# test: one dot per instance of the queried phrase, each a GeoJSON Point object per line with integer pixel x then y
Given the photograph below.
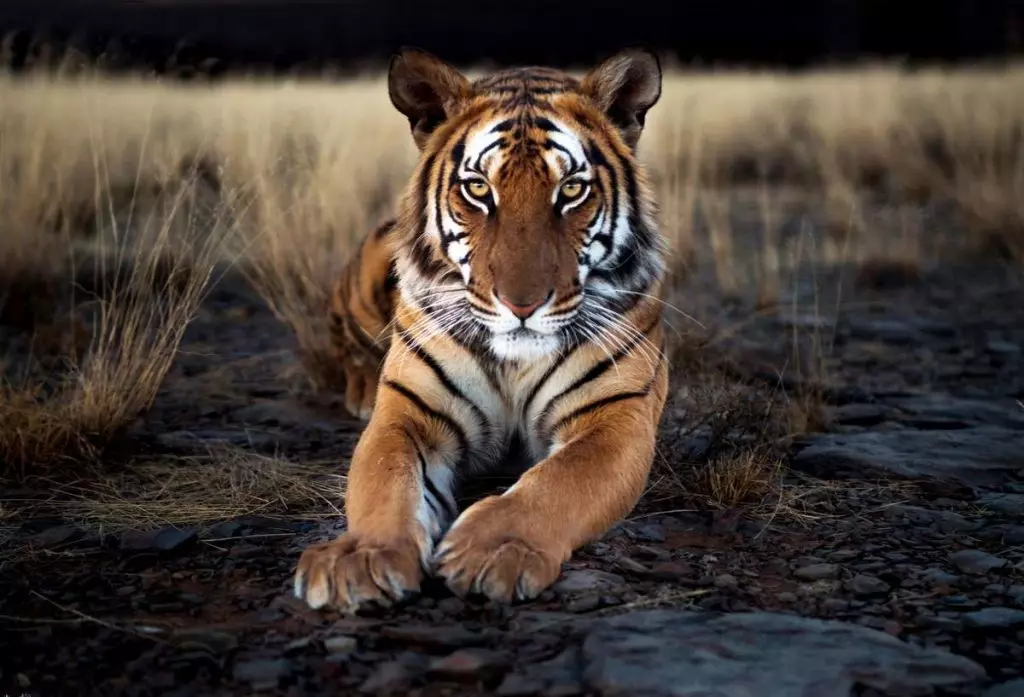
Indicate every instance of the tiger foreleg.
{"type": "Point", "coordinates": [361, 308]}
{"type": "Point", "coordinates": [512, 546]}
{"type": "Point", "coordinates": [399, 502]}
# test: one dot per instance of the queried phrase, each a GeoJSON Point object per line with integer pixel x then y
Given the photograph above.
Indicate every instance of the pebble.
{"type": "Point", "coordinates": [340, 644]}
{"type": "Point", "coordinates": [470, 663]}
{"type": "Point", "coordinates": [674, 571]}
{"type": "Point", "coordinates": [936, 576]}
{"type": "Point", "coordinates": [586, 579]}
{"type": "Point", "coordinates": [863, 584]}
{"type": "Point", "coordinates": [262, 674]}
{"type": "Point", "coordinates": [631, 566]}
{"type": "Point", "coordinates": [432, 635]}
{"type": "Point", "coordinates": [975, 561]}
{"type": "Point", "coordinates": [389, 677]}
{"type": "Point", "coordinates": [451, 606]}
{"type": "Point", "coordinates": [817, 572]}
{"type": "Point", "coordinates": [727, 581]}
{"type": "Point", "coordinates": [584, 603]}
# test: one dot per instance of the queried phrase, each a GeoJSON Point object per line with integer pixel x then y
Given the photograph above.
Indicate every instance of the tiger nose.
{"type": "Point", "coordinates": [520, 311]}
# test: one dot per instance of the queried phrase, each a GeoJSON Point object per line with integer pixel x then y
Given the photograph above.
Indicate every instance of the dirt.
{"type": "Point", "coordinates": [892, 562]}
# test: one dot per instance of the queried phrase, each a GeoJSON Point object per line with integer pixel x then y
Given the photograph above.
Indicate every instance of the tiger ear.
{"type": "Point", "coordinates": [426, 90]}
{"type": "Point", "coordinates": [625, 87]}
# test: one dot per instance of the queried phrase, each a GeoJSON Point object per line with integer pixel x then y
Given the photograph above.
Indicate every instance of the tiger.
{"type": "Point", "coordinates": [510, 306]}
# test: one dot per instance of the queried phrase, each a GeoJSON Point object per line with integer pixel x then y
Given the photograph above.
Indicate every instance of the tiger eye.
{"type": "Point", "coordinates": [478, 188]}
{"type": "Point", "coordinates": [572, 189]}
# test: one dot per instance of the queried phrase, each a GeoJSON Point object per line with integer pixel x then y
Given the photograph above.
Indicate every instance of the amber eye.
{"type": "Point", "coordinates": [478, 188]}
{"type": "Point", "coordinates": [572, 189]}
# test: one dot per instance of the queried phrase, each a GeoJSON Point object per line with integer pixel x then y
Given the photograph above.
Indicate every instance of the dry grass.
{"type": "Point", "coordinates": [155, 177]}
{"type": "Point", "coordinates": [222, 484]}
{"type": "Point", "coordinates": [147, 279]}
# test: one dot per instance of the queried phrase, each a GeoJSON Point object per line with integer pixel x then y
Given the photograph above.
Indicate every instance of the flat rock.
{"type": "Point", "coordinates": [980, 457]}
{"type": "Point", "coordinates": [975, 561]}
{"type": "Point", "coordinates": [676, 653]}
{"type": "Point", "coordinates": [586, 579]}
{"type": "Point", "coordinates": [1013, 688]}
{"type": "Point", "coordinates": [993, 412]}
{"type": "Point", "coordinates": [817, 572]}
{"type": "Point", "coordinates": [994, 618]}
{"type": "Point", "coordinates": [1009, 504]}
{"type": "Point", "coordinates": [160, 540]}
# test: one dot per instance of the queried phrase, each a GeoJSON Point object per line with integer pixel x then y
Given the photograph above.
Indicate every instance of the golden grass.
{"type": "Point", "coordinates": [156, 178]}
{"type": "Point", "coordinates": [222, 484]}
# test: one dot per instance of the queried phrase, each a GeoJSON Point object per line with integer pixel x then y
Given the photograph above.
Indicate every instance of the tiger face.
{"type": "Point", "coordinates": [527, 228]}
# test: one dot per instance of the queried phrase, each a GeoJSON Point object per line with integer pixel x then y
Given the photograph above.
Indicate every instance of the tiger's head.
{"type": "Point", "coordinates": [528, 224]}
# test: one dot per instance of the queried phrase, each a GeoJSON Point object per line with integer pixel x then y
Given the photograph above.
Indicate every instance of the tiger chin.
{"type": "Point", "coordinates": [513, 298]}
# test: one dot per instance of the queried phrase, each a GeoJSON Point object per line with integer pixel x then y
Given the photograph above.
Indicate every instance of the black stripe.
{"type": "Point", "coordinates": [423, 189]}
{"type": "Point", "coordinates": [593, 406]}
{"type": "Point", "coordinates": [552, 145]}
{"type": "Point", "coordinates": [597, 370]}
{"type": "Point", "coordinates": [432, 490]}
{"type": "Point", "coordinates": [443, 378]}
{"type": "Point", "coordinates": [447, 421]}
{"type": "Point", "coordinates": [546, 125]}
{"type": "Point", "coordinates": [566, 310]}
{"type": "Point", "coordinates": [547, 376]}
{"type": "Point", "coordinates": [479, 158]}
{"type": "Point", "coordinates": [361, 337]}
{"type": "Point", "coordinates": [458, 150]}
{"type": "Point", "coordinates": [422, 254]}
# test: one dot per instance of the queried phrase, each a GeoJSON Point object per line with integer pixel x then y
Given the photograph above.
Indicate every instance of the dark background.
{"type": "Point", "coordinates": [186, 37]}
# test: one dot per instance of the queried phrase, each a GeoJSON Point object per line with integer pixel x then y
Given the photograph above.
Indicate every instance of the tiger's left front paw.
{"type": "Point", "coordinates": [488, 552]}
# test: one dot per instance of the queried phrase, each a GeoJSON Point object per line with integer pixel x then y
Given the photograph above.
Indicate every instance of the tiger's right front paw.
{"type": "Point", "coordinates": [351, 572]}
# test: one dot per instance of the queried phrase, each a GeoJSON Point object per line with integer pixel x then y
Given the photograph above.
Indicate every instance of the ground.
{"type": "Point", "coordinates": [902, 518]}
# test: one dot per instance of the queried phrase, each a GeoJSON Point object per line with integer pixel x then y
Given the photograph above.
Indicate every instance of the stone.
{"type": "Point", "coordinates": [160, 540]}
{"type": "Point", "coordinates": [471, 663]}
{"type": "Point", "coordinates": [817, 572]}
{"type": "Point", "coordinates": [1003, 413]}
{"type": "Point", "coordinates": [669, 653]}
{"type": "Point", "coordinates": [980, 457]}
{"type": "Point", "coordinates": [975, 561]}
{"type": "Point", "coordinates": [340, 644]}
{"type": "Point", "coordinates": [994, 618]}
{"type": "Point", "coordinates": [54, 536]}
{"type": "Point", "coordinates": [864, 584]}
{"type": "Point", "coordinates": [726, 581]}
{"type": "Point", "coordinates": [1013, 688]}
{"type": "Point", "coordinates": [262, 674]}
{"type": "Point", "coordinates": [389, 677]}
{"type": "Point", "coordinates": [453, 636]}
{"type": "Point", "coordinates": [936, 576]}
{"type": "Point", "coordinates": [945, 521]}
{"type": "Point", "coordinates": [585, 580]}
{"type": "Point", "coordinates": [1009, 504]}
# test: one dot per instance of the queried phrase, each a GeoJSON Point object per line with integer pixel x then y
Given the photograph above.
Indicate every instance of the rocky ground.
{"type": "Point", "coordinates": [891, 562]}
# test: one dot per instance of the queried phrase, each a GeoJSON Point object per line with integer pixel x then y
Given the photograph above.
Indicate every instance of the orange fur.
{"type": "Point", "coordinates": [583, 393]}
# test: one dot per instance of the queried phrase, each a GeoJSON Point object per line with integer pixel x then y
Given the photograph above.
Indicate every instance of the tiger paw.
{"type": "Point", "coordinates": [483, 553]}
{"type": "Point", "coordinates": [351, 572]}
{"type": "Point", "coordinates": [360, 388]}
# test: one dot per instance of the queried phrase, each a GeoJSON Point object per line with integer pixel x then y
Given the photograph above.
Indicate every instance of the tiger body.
{"type": "Point", "coordinates": [518, 291]}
